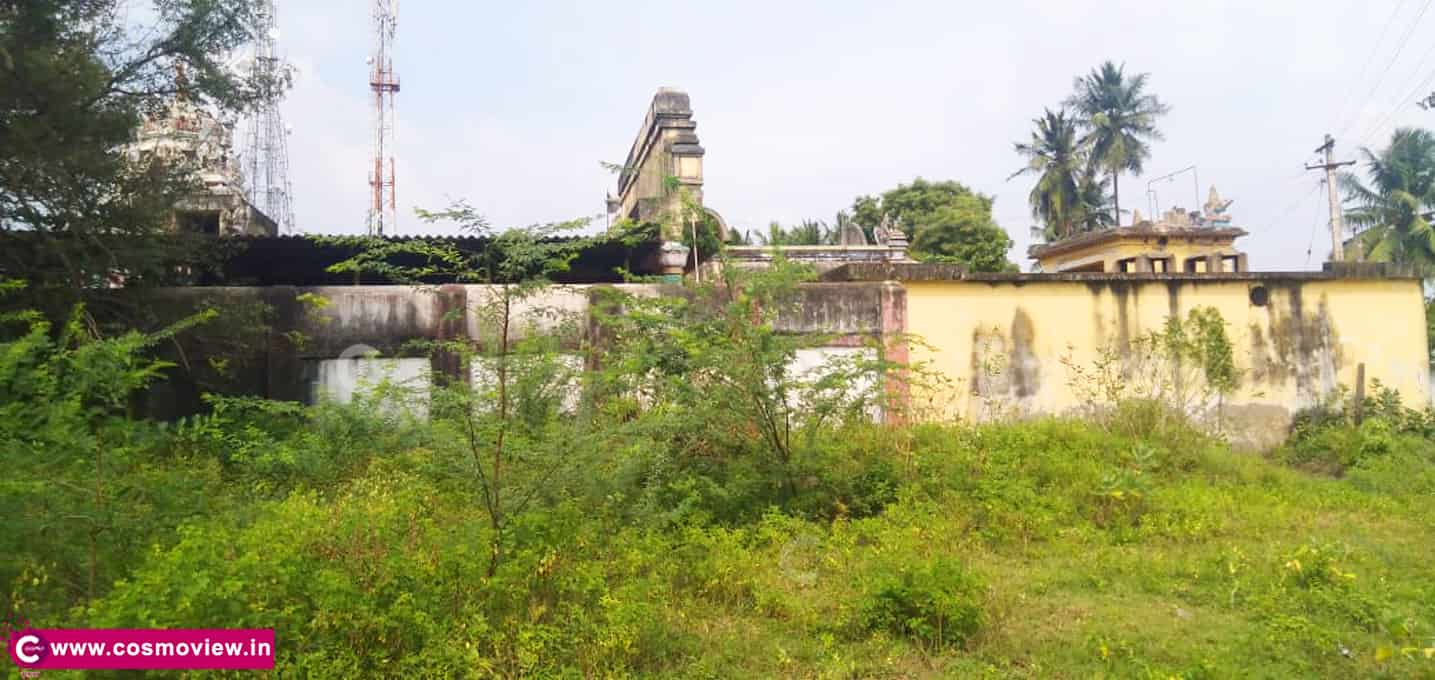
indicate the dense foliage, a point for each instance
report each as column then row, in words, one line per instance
column 1430, row 326
column 945, row 222
column 1345, row 434
column 76, row 76
column 1391, row 213
column 804, row 233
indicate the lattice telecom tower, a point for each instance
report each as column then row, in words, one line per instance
column 383, row 210
column 266, row 150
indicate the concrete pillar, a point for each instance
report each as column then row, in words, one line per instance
column 1143, row 264
column 672, row 261
column 896, row 351
column 1213, row 264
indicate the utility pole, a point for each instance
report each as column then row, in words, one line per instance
column 1337, row 220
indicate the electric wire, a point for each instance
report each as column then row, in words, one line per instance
column 1404, row 39
column 1370, row 58
column 1414, row 93
column 1283, row 214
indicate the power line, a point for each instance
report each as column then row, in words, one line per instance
column 1393, row 58
column 1374, row 48
column 1287, row 211
column 1409, row 97
column 1400, row 103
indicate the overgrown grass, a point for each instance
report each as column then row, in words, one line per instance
column 1044, row 549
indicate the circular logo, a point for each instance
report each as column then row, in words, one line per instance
column 29, row 648
column 359, row 351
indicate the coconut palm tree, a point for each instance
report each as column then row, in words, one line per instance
column 1392, row 214
column 1054, row 155
column 806, row 233
column 1119, row 119
column 1093, row 200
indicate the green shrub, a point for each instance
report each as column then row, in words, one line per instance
column 388, row 576
column 853, row 474
column 1312, row 566
column 935, row 601
column 1335, row 447
column 1327, row 439
column 1407, row 472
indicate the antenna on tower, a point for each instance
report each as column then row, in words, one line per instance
column 383, row 208
column 266, row 152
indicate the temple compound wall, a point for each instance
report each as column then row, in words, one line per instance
column 1005, row 345
column 1024, row 345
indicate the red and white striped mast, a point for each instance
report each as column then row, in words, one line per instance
column 383, row 207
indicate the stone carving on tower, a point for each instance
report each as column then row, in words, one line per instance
column 851, row 235
column 1215, row 209
column 889, row 234
column 185, row 136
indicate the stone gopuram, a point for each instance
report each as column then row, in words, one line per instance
column 661, row 180
column 186, row 136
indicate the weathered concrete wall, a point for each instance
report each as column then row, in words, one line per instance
column 328, row 340
column 1007, row 343
column 1012, row 340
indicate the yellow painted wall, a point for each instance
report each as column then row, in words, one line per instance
column 1109, row 253
column 1309, row 336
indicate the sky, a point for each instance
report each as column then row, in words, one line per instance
column 803, row 106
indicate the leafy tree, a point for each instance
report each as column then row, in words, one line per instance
column 1119, row 118
column 505, row 420
column 714, row 376
column 946, row 221
column 1392, row 213
column 77, row 76
column 812, row 233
